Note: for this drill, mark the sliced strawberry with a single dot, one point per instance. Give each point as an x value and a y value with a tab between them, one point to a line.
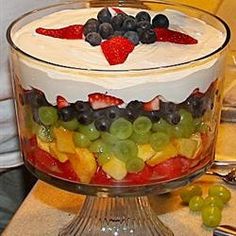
100	100
117	10
68	32
61	102
117	49
152	105
167	35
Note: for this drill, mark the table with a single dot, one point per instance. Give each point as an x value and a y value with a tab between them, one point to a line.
46	209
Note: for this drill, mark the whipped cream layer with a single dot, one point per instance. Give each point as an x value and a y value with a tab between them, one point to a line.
80	54
173	84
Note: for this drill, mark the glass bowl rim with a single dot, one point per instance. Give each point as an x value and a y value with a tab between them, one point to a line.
167	3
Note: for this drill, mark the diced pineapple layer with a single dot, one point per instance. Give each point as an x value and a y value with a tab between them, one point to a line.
145	152
60	156
166	153
84	164
64	140
189	147
43	145
115	168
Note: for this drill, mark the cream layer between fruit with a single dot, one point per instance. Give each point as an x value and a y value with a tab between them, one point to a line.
131	80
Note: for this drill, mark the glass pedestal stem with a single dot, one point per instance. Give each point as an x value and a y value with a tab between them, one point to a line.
116	216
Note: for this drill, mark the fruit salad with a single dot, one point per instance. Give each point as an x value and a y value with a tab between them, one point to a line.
139	116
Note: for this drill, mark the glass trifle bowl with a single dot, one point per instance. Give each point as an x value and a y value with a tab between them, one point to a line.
119	106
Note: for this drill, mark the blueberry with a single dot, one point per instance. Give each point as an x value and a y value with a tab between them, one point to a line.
160	20
113	113
104	15
93	38
173	118
135	105
92	20
143	15
81	106
66	113
196	105
129	24
116	33
36	116
97	114
85	118
102	124
167	107
117	21
142	26
132	36
148	36
130	114
37	99
91	26
155	116
105	30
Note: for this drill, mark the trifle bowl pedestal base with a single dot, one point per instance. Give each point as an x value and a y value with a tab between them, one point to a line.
116	216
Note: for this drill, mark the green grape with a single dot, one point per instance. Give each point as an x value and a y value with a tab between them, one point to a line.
48	115
142	125
109	138
183	131
140	138
159	140
81	140
121	128
90	131
211	216
164	127
103	159
45	133
197	123
220	191
125	150
213	201
185	118
70	125
196	203
98	146
135	165
188	192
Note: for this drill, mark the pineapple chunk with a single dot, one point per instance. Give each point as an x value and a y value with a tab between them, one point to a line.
84	164
60	156
64	140
190	147
166	153
43	145
145	152
115	168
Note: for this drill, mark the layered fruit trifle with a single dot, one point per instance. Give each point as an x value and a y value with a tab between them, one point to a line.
117	96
